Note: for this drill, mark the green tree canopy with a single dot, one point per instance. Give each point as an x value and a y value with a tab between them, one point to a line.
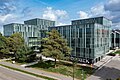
3	45
2	40
24	54
15	41
55	46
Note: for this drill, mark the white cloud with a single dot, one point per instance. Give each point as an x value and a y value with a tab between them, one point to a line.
9	6
98	10
116	25
1	30
61	14
110	10
4	17
55	15
113	5
83	15
7	9
49	14
60	24
113	1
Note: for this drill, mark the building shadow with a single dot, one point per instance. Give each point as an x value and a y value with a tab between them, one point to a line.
107	73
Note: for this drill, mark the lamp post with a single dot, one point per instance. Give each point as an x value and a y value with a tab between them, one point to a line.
74	63
82	74
73	68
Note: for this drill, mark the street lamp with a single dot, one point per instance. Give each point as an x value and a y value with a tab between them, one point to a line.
73	69
82	74
74	62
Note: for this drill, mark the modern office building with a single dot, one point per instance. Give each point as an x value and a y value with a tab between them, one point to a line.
89	38
115	41
32	30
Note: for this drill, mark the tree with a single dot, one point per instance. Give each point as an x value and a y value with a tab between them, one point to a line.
15	41
55	46
24	54
3	46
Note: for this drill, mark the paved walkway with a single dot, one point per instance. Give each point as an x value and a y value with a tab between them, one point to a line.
39	72
102	61
106	59
29	64
9	74
111	70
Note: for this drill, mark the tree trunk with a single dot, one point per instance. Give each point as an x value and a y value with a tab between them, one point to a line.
55	63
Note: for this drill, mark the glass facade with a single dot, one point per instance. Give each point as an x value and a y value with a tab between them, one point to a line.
41	23
89	38
115	39
32	30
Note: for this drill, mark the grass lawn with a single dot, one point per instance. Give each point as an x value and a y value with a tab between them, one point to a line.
117	52
44	77
114	53
63	68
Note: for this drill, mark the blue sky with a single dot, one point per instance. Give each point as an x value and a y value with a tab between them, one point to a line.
61	11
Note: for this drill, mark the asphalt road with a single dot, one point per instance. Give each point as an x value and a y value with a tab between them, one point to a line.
7	74
38	71
110	70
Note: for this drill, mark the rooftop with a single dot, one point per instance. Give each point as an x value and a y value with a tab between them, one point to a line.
38	19
92	18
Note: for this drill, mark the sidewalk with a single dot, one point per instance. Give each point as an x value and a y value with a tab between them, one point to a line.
106	59
29	64
39	72
102	61
109	70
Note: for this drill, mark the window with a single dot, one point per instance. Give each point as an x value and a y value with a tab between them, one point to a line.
80	32
87	42
88	32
